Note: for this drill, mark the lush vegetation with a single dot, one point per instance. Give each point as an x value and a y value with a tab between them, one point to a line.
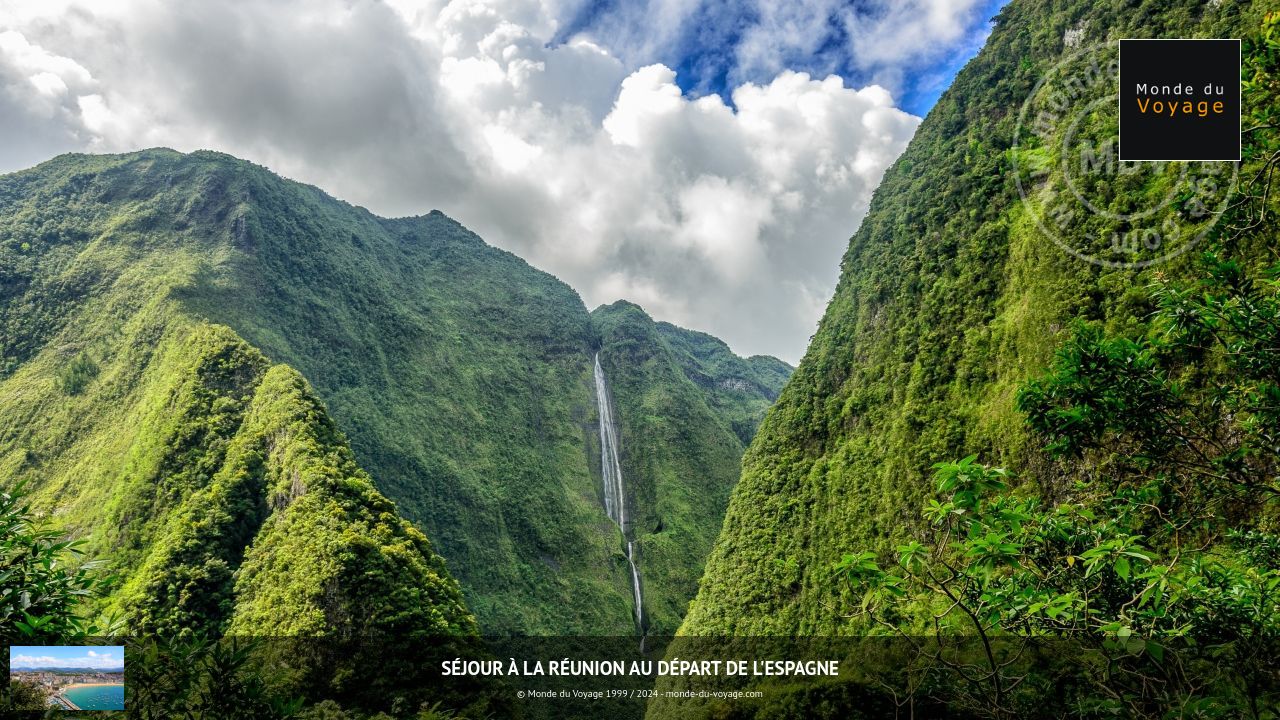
44	583
683	403
141	296
1129	567
950	299
738	389
1157	561
217	486
288	538
49	587
227	455
43	579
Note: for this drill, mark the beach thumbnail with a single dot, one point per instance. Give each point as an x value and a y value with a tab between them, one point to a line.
73	677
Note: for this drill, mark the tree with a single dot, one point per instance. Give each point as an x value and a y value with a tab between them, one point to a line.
1146	621
25	696
193	677
1154	564
43	579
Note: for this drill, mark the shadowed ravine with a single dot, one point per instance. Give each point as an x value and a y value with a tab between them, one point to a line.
615	497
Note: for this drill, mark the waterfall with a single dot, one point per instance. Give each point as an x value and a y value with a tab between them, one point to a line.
615	497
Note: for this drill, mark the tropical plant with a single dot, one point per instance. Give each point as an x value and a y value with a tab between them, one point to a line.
44	579
1158	550
25	696
195	678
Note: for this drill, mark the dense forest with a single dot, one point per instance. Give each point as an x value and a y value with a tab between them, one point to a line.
992	439
949	301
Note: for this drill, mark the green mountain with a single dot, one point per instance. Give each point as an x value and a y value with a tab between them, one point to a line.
206	370
684	404
950	298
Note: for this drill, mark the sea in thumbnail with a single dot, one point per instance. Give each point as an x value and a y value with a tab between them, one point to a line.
96	697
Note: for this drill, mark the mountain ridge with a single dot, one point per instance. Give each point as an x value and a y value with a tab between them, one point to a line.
458	373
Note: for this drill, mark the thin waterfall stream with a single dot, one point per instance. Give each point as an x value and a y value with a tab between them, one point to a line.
615	497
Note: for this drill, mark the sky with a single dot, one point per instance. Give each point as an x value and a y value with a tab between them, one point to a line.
707	159
23	657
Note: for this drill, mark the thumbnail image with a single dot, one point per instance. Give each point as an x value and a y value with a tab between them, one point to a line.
74	677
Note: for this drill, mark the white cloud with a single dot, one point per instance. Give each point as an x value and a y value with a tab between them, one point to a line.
722	220
90	660
39	101
879	35
726	219
884	40
902	35
31	660
899	30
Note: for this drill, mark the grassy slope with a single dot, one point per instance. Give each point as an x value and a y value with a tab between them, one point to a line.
738	389
460	374
948	299
184	452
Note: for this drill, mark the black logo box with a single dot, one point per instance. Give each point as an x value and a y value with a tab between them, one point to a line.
1180	65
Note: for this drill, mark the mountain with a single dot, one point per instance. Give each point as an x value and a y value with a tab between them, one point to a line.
684	404
739	390
223	380
950	298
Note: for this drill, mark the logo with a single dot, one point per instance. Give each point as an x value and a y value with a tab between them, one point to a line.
1180	100
1079	192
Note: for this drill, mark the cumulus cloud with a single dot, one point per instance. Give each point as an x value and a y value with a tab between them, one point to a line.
874	35
91	659
723	214
41	94
906	35
889	42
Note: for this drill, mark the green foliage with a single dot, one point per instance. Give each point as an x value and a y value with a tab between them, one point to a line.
460	376
1213	439
287	536
334	554
43	578
738	389
269	528
460	373
949	298
327	710
196	678
21	696
1157	556
1260	145
77	374
1165	610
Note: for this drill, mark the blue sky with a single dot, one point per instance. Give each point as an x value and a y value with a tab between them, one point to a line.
706	159
33	657
820	37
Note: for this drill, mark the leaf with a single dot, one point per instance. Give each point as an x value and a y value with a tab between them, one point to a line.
1155	650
